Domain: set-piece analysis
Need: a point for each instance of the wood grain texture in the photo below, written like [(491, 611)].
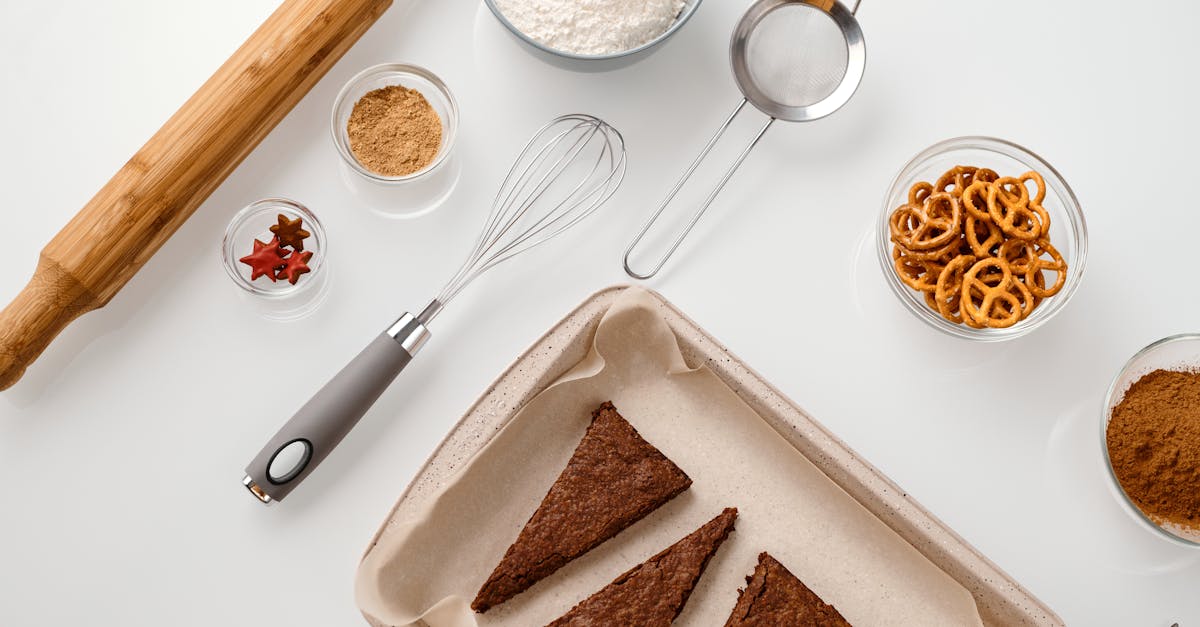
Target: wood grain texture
[(156, 191)]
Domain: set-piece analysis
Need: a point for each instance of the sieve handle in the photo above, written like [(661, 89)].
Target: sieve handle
[(707, 202)]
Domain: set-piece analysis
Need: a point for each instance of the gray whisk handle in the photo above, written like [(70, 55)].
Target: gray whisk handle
[(308, 438)]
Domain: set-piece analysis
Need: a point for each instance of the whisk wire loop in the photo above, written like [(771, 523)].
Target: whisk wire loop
[(540, 198), (543, 184)]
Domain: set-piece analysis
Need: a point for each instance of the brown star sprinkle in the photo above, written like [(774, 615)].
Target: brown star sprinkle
[(290, 232)]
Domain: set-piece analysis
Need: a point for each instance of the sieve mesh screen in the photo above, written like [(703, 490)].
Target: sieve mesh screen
[(797, 55)]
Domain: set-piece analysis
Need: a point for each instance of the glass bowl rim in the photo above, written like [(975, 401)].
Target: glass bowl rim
[(229, 261), (342, 141), (1106, 415), (1071, 208), (684, 15)]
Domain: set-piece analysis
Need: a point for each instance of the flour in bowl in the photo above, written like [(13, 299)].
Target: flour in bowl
[(591, 27)]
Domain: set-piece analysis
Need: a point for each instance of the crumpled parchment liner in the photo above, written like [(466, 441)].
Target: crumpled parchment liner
[(430, 566)]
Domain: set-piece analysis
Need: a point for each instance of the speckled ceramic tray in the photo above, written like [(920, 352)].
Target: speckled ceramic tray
[(1000, 599)]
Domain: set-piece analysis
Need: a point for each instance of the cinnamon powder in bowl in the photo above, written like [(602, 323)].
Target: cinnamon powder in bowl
[(1152, 436)]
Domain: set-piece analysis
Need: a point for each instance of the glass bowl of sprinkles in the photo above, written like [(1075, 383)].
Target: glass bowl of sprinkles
[(1147, 440), (615, 32), (1041, 277), (275, 251), (394, 123)]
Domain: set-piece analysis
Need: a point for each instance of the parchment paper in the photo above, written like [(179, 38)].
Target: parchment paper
[(431, 566)]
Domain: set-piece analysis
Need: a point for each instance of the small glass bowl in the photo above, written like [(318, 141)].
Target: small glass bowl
[(593, 62), (282, 299), (1177, 352), (1068, 231), (378, 77)]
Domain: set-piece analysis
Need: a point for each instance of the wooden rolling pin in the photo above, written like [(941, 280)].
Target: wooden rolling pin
[(110, 239)]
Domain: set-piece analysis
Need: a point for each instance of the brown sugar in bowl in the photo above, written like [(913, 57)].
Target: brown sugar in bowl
[(381, 148)]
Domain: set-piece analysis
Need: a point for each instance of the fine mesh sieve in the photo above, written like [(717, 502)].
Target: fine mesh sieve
[(794, 60)]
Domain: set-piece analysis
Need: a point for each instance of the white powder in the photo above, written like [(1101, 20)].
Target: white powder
[(591, 26)]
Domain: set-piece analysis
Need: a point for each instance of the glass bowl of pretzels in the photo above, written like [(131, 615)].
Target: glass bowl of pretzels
[(982, 239)]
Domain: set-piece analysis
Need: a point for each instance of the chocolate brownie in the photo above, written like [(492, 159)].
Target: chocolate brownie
[(614, 479), (654, 592), (774, 596)]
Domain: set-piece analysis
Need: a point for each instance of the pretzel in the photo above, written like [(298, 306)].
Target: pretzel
[(988, 300), (1013, 212), (1025, 259), (941, 255), (982, 236), (948, 292), (966, 318), (1038, 182), (1025, 296), (931, 225), (986, 175), (919, 275), (974, 200), (903, 222), (929, 300), (1039, 280), (955, 179), (1004, 313), (995, 278), (1055, 264), (1020, 255), (993, 275), (960, 177), (919, 193), (1011, 191)]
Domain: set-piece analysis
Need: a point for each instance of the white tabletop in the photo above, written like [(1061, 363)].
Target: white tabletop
[(121, 452)]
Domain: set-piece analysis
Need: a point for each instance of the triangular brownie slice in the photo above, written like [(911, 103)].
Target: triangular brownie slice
[(614, 479), (654, 592), (774, 596)]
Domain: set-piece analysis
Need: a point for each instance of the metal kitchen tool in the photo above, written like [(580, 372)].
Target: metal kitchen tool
[(566, 171), (794, 60)]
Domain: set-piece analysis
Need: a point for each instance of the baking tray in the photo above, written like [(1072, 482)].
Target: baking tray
[(999, 598)]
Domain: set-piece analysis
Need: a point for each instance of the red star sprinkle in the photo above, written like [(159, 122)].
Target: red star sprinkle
[(296, 265), (265, 259)]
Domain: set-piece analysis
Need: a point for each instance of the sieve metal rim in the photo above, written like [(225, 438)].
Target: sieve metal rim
[(856, 62)]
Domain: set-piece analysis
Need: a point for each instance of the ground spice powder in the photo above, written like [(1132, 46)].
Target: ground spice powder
[(394, 131), (1154, 444)]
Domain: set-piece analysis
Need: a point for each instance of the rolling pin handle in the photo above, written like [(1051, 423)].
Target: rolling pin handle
[(51, 300)]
